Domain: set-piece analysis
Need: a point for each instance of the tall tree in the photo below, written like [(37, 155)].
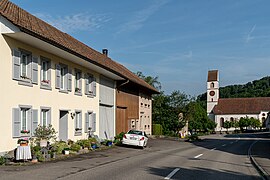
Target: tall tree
[(153, 81)]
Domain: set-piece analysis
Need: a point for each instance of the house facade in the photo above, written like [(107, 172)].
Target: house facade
[(51, 78), (221, 110)]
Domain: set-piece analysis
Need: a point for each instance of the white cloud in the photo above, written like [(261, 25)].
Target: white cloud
[(75, 22), (137, 21)]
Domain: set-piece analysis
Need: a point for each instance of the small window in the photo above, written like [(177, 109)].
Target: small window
[(63, 72), (24, 119), (78, 123), (24, 59), (45, 116), (212, 85), (232, 119), (45, 76), (222, 122), (78, 82)]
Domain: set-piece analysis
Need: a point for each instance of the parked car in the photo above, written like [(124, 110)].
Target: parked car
[(135, 138)]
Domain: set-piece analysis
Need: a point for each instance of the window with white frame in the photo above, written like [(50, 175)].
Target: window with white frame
[(24, 59), (78, 122), (78, 83), (62, 77), (24, 67), (45, 75), (24, 119), (44, 117), (90, 85)]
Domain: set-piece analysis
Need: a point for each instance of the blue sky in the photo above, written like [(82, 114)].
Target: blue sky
[(176, 40)]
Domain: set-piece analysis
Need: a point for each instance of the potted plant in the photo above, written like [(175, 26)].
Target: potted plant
[(109, 143), (23, 142), (66, 151)]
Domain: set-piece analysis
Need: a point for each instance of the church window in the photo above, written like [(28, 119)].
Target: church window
[(222, 122), (212, 85)]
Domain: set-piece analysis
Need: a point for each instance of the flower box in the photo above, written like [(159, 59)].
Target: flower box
[(25, 131)]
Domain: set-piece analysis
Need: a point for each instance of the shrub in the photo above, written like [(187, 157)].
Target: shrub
[(45, 132), (59, 146), (3, 160), (118, 138), (75, 147), (157, 129)]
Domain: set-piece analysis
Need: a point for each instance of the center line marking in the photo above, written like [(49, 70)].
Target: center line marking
[(172, 173), (213, 149), (198, 156), (224, 145)]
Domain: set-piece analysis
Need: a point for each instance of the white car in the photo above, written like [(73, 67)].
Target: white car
[(135, 138)]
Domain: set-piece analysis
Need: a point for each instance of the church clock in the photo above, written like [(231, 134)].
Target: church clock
[(212, 93)]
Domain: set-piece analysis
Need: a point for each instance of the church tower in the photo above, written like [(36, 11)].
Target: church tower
[(212, 91)]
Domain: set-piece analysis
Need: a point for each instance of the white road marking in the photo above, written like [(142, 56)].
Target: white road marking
[(224, 145), (213, 149), (172, 173), (198, 156)]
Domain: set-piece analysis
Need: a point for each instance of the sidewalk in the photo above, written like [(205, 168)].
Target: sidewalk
[(260, 155)]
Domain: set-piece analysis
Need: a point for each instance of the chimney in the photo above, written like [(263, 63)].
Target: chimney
[(105, 51)]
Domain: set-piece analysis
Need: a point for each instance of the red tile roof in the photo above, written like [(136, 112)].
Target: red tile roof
[(34, 26), (212, 75), (242, 105)]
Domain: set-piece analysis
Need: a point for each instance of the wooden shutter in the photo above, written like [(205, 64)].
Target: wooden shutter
[(16, 122), (29, 120), (94, 86), (35, 70), (29, 66), (57, 76), (86, 84), (69, 76), (93, 122), (49, 114), (80, 121), (49, 72), (16, 66), (86, 122), (34, 121)]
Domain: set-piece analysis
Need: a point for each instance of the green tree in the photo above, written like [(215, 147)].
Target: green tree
[(227, 125), (153, 81)]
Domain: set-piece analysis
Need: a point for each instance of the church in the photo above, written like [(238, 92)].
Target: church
[(232, 109)]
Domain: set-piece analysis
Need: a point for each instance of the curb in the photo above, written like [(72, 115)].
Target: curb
[(261, 171)]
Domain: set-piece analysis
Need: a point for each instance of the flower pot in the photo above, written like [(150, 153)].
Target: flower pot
[(66, 152), (23, 144), (109, 143), (94, 146)]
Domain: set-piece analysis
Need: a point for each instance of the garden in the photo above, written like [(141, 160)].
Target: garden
[(44, 147)]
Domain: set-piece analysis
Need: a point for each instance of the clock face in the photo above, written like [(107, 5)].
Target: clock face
[(212, 93)]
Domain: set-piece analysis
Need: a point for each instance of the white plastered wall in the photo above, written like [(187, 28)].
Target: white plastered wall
[(12, 94)]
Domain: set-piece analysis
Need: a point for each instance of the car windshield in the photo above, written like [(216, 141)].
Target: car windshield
[(135, 132)]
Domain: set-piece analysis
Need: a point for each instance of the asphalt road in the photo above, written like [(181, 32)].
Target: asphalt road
[(216, 157)]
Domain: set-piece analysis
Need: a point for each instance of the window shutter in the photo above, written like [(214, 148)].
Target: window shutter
[(29, 120), (80, 123), (34, 121), (94, 86), (69, 76), (49, 117), (49, 72), (86, 84), (80, 84), (29, 67), (16, 65), (16, 122), (86, 122), (94, 122), (35, 70), (57, 76)]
